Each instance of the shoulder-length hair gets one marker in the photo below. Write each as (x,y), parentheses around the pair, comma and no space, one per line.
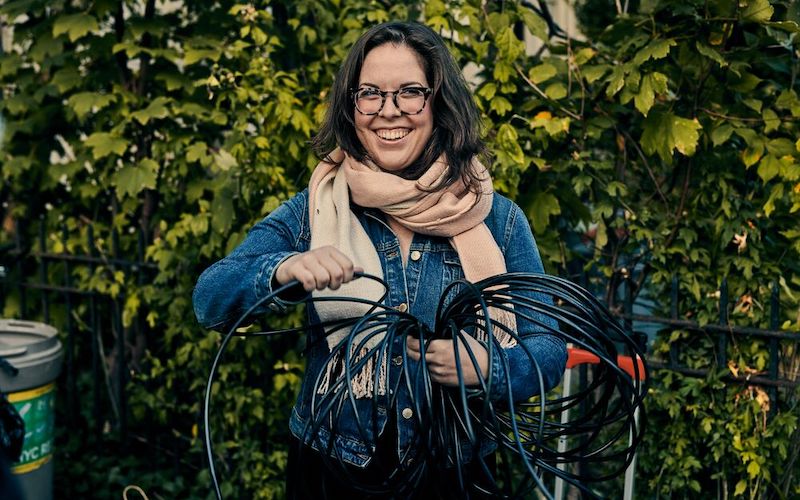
(456,120)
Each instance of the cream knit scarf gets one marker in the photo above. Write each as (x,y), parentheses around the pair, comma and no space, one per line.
(456,213)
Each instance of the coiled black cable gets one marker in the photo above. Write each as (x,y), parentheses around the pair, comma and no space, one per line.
(460,426)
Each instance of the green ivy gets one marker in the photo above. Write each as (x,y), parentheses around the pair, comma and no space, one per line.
(672,130)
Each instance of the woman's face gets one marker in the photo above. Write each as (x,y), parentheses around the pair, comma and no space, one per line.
(393,140)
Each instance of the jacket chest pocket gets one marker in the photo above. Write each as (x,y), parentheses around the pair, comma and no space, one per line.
(451,271)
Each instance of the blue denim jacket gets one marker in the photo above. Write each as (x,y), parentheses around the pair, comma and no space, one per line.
(229,287)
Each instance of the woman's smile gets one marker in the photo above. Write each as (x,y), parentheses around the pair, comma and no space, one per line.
(393,135)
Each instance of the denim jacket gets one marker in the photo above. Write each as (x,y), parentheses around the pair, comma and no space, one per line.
(229,287)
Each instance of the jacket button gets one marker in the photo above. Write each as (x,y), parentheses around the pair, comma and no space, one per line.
(402,307)
(415,255)
(407,413)
(397,360)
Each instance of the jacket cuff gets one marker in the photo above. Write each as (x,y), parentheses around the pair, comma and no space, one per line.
(266,278)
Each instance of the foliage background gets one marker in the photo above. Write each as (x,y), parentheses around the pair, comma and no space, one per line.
(671,132)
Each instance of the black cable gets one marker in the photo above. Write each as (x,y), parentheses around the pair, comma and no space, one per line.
(457,428)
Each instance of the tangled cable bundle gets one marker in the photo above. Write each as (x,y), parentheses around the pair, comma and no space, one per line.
(516,444)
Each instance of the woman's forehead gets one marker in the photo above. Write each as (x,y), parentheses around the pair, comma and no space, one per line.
(392,64)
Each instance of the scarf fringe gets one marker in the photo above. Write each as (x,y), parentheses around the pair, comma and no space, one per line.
(363,382)
(503,317)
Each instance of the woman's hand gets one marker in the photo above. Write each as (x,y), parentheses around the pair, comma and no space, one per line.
(324,267)
(441,360)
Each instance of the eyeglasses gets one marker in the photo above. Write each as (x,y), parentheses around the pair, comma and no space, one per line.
(409,100)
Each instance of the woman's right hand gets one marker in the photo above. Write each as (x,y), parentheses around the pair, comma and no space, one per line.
(324,267)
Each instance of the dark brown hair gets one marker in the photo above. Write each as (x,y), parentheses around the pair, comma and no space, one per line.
(456,121)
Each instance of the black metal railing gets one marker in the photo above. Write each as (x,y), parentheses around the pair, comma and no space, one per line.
(89,318)
(90,321)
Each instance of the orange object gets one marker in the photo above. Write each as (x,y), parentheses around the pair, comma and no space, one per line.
(582,356)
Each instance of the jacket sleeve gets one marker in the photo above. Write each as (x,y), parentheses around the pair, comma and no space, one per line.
(232,285)
(548,350)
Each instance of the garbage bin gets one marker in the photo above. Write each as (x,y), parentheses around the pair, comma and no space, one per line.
(34,349)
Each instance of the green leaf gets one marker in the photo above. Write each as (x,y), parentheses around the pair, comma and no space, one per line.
(754,104)
(66,79)
(753,469)
(584,55)
(198,151)
(711,54)
(657,49)
(556,91)
(224,160)
(502,71)
(84,102)
(744,82)
(488,90)
(665,132)
(191,56)
(652,83)
(540,208)
(771,120)
(535,24)
(769,167)
(741,486)
(74,25)
(756,11)
(509,45)
(508,139)
(500,105)
(615,81)
(750,156)
(104,144)
(721,134)
(593,73)
(780,147)
(542,72)
(788,100)
(775,194)
(156,109)
(130,180)
(498,21)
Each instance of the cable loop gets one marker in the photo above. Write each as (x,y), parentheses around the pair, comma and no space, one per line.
(599,426)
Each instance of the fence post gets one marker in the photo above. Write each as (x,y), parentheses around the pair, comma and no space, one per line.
(673,314)
(23,295)
(120,331)
(43,272)
(722,341)
(70,344)
(95,333)
(774,306)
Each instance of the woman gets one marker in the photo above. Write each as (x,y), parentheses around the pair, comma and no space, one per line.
(400,194)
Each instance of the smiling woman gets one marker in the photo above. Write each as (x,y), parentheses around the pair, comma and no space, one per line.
(399,194)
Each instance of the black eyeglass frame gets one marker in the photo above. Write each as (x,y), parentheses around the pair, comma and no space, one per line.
(426,91)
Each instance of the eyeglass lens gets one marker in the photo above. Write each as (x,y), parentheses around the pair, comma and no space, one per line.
(409,101)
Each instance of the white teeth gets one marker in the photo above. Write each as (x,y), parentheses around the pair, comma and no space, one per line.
(394,134)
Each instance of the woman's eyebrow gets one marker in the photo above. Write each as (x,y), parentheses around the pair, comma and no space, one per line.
(405,84)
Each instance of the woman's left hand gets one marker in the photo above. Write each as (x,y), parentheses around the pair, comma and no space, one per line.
(441,361)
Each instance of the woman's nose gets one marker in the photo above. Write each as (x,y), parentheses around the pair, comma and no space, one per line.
(390,103)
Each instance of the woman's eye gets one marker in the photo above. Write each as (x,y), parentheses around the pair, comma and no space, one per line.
(411,92)
(368,94)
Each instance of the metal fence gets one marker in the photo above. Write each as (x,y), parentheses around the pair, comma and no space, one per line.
(43,281)
(723,332)
(43,284)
